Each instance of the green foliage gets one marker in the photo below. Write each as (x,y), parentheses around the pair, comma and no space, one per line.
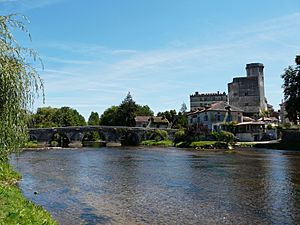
(92,136)
(67,116)
(109,116)
(291,86)
(53,143)
(209,145)
(157,135)
(94,119)
(232,127)
(166,143)
(180,136)
(169,115)
(31,144)
(19,84)
(46,117)
(59,140)
(7,175)
(178,121)
(246,144)
(143,111)
(127,112)
(223,136)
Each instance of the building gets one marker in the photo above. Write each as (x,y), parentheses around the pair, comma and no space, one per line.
(248,93)
(250,131)
(151,122)
(212,117)
(200,101)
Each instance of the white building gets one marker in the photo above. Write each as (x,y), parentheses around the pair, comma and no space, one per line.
(213,116)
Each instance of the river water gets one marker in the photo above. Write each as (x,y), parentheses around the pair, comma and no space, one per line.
(163,185)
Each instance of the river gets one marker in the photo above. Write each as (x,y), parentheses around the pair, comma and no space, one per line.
(163,185)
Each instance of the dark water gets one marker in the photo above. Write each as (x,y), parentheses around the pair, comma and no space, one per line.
(163,186)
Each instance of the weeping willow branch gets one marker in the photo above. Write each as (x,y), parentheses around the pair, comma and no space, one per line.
(20,83)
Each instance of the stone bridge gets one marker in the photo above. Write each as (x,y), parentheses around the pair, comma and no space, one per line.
(113,135)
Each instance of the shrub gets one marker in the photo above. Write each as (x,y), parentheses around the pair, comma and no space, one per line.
(179,136)
(157,135)
(53,143)
(224,136)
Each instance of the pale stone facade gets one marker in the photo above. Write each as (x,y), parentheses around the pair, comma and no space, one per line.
(214,116)
(202,100)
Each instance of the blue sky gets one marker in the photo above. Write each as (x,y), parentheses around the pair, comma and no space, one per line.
(95,51)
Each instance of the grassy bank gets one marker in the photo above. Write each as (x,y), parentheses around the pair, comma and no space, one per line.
(166,143)
(203,145)
(14,207)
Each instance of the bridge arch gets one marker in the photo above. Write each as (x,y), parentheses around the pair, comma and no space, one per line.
(130,138)
(59,139)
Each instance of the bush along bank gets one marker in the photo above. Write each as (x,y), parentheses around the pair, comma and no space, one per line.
(14,207)
(214,140)
(157,138)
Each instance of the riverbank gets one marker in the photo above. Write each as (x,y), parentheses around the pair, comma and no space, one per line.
(14,207)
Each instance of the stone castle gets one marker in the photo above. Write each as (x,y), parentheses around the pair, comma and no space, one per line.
(246,93)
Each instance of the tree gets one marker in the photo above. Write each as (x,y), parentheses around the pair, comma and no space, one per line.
(183,108)
(127,112)
(291,86)
(144,111)
(109,116)
(94,119)
(169,115)
(19,85)
(67,116)
(46,117)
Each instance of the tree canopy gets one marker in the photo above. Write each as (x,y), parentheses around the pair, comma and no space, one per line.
(177,120)
(46,117)
(19,84)
(94,119)
(291,86)
(125,113)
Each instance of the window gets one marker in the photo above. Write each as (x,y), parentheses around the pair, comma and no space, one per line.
(246,104)
(205,118)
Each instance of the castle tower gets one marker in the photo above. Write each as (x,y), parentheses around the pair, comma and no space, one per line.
(248,93)
(255,69)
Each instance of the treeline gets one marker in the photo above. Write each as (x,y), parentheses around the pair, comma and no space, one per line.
(121,115)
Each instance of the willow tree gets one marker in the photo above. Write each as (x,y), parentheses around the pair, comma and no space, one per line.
(19,84)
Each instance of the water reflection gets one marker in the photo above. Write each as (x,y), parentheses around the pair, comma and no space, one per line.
(163,186)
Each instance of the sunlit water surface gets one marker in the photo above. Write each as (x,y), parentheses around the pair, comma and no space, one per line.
(163,185)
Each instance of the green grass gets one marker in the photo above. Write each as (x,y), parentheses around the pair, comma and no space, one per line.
(14,207)
(166,143)
(246,144)
(31,144)
(203,145)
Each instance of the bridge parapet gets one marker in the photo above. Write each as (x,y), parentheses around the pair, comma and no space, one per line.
(112,134)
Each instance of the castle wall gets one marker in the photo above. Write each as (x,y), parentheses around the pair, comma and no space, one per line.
(248,93)
(203,100)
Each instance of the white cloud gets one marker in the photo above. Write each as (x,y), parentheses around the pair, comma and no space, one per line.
(166,77)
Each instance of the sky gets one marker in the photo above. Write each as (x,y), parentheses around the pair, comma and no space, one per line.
(161,51)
